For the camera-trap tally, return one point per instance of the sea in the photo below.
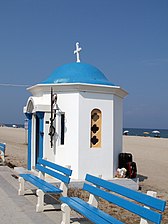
(12, 125)
(163, 133)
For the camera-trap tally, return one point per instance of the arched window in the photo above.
(95, 132)
(30, 106)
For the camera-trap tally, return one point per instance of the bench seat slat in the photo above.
(87, 211)
(137, 196)
(41, 184)
(123, 203)
(97, 211)
(53, 173)
(2, 147)
(54, 166)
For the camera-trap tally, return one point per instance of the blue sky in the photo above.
(126, 39)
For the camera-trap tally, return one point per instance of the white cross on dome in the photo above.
(77, 51)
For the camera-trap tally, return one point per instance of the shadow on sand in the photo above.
(141, 177)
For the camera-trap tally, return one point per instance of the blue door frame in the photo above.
(40, 117)
(29, 117)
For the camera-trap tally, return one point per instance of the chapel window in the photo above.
(95, 130)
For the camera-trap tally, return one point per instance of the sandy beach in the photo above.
(150, 154)
(16, 147)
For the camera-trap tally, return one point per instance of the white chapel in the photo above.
(75, 118)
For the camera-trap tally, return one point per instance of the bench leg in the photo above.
(93, 200)
(64, 188)
(21, 190)
(40, 201)
(3, 157)
(153, 194)
(65, 214)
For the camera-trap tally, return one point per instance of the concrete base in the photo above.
(20, 170)
(129, 183)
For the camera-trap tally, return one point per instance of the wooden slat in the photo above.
(54, 166)
(92, 216)
(2, 147)
(123, 203)
(97, 211)
(41, 184)
(134, 195)
(52, 173)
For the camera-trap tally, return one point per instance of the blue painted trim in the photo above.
(55, 166)
(99, 188)
(129, 193)
(77, 73)
(29, 116)
(42, 184)
(41, 134)
(92, 213)
(53, 173)
(2, 147)
(124, 203)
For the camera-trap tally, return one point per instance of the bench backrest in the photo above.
(52, 169)
(99, 186)
(2, 147)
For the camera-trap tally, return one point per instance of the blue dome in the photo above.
(77, 73)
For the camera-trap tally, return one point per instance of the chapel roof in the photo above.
(77, 73)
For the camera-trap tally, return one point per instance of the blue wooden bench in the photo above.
(43, 187)
(2, 151)
(123, 197)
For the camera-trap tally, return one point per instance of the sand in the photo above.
(16, 145)
(150, 154)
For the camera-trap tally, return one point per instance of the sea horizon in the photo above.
(147, 132)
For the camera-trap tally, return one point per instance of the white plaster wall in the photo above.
(118, 129)
(96, 161)
(67, 154)
(48, 152)
(76, 151)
